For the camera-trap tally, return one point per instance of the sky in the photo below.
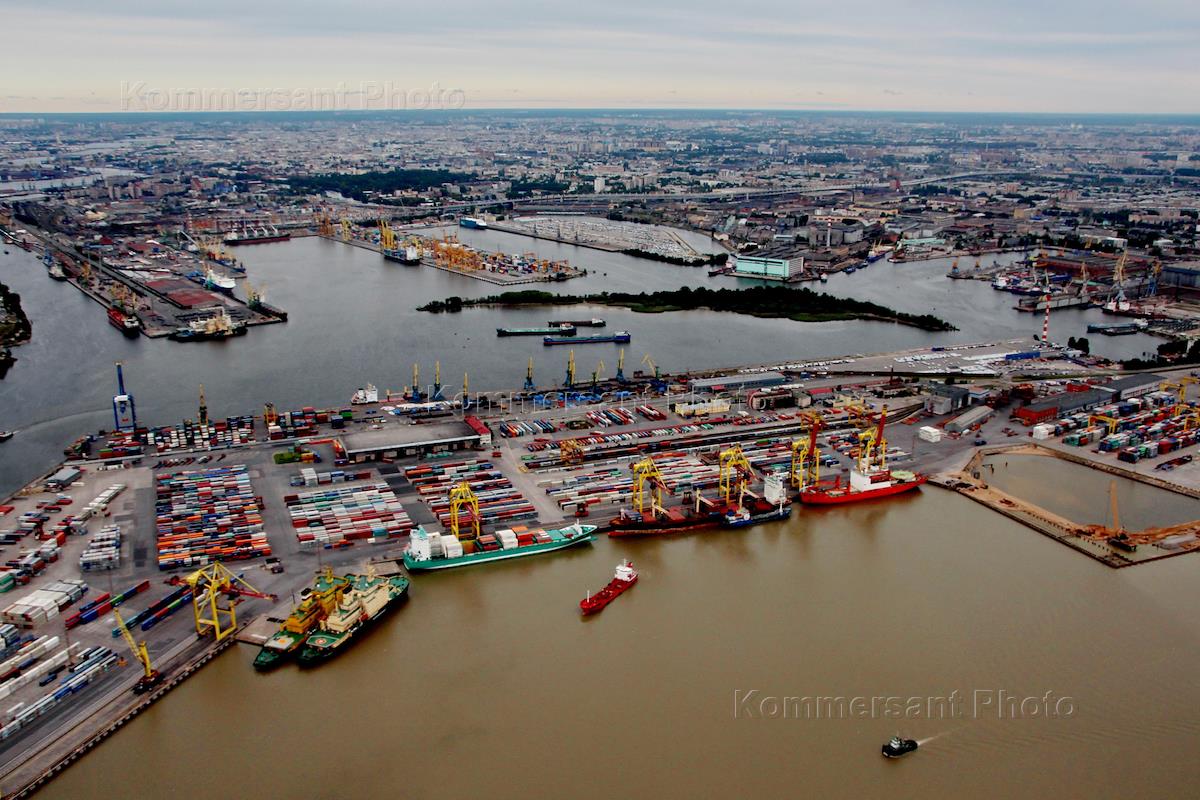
(1014, 55)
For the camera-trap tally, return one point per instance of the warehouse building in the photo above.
(733, 383)
(1055, 406)
(784, 262)
(400, 439)
(1132, 386)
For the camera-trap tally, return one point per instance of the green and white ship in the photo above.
(316, 602)
(366, 600)
(431, 550)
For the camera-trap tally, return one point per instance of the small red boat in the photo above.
(624, 577)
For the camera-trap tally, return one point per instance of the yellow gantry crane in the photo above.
(347, 230)
(1179, 389)
(150, 676)
(646, 471)
(736, 472)
(462, 495)
(806, 458)
(387, 236)
(570, 381)
(1112, 423)
(216, 592)
(649, 362)
(872, 446)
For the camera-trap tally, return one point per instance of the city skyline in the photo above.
(1070, 58)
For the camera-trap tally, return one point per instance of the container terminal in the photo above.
(150, 549)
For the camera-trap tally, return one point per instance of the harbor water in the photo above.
(353, 320)
(488, 682)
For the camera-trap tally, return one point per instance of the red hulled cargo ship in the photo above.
(624, 577)
(863, 486)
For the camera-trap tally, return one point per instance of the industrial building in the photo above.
(400, 439)
(944, 398)
(784, 262)
(733, 383)
(1132, 386)
(966, 420)
(1055, 406)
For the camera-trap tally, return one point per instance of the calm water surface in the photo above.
(489, 684)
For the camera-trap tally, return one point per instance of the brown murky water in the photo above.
(1082, 494)
(489, 684)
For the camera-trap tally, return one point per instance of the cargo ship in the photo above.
(127, 324)
(410, 256)
(620, 337)
(678, 519)
(362, 397)
(432, 550)
(553, 330)
(257, 236)
(624, 577)
(773, 505)
(366, 599)
(472, 222)
(222, 283)
(594, 322)
(315, 604)
(218, 327)
(863, 486)
(56, 272)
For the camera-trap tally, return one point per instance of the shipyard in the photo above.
(508, 390)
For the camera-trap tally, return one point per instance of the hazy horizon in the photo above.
(938, 57)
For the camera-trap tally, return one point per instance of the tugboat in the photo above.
(897, 747)
(6, 435)
(315, 604)
(624, 577)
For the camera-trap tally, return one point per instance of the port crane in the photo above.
(1179, 388)
(387, 236)
(736, 472)
(216, 592)
(806, 458)
(621, 365)
(1118, 302)
(872, 446)
(646, 471)
(202, 411)
(649, 362)
(529, 387)
(1155, 272)
(347, 230)
(1112, 423)
(436, 394)
(597, 373)
(462, 495)
(570, 381)
(150, 676)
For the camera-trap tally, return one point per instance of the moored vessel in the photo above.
(127, 324)
(220, 326)
(366, 599)
(594, 322)
(316, 602)
(472, 222)
(624, 577)
(620, 337)
(863, 486)
(563, 329)
(433, 550)
(257, 236)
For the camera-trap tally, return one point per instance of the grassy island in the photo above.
(773, 302)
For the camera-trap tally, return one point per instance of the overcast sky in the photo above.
(1002, 55)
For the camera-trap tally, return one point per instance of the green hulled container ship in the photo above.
(441, 551)
(316, 603)
(366, 600)
(566, 329)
